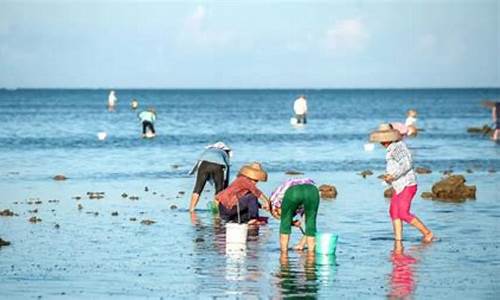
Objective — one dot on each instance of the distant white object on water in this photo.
(102, 135)
(293, 121)
(369, 147)
(112, 99)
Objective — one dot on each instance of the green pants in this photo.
(304, 194)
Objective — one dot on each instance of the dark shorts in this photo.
(249, 209)
(207, 170)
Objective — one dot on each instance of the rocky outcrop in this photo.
(451, 189)
(4, 243)
(147, 222)
(327, 191)
(59, 177)
(293, 172)
(422, 170)
(7, 213)
(366, 173)
(485, 130)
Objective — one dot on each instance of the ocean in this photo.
(46, 132)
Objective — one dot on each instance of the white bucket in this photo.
(102, 135)
(293, 121)
(236, 233)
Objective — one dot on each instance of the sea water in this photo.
(50, 132)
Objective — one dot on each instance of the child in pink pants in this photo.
(400, 175)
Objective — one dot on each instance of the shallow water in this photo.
(89, 256)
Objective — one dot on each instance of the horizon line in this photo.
(250, 88)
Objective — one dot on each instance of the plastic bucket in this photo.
(212, 206)
(236, 233)
(326, 243)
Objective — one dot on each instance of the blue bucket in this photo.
(326, 243)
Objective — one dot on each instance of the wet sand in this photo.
(104, 249)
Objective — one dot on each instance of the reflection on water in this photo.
(302, 275)
(403, 279)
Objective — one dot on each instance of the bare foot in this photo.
(298, 247)
(429, 238)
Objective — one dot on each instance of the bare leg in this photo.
(284, 239)
(398, 247)
(427, 234)
(301, 244)
(194, 201)
(398, 229)
(311, 243)
(496, 135)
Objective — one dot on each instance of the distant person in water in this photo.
(112, 100)
(495, 114)
(400, 174)
(411, 118)
(405, 131)
(239, 202)
(213, 164)
(300, 109)
(148, 118)
(293, 199)
(134, 104)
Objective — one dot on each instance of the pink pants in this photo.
(400, 204)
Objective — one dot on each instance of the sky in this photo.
(249, 44)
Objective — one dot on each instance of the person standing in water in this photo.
(134, 104)
(300, 109)
(112, 100)
(148, 118)
(296, 197)
(495, 114)
(212, 164)
(400, 174)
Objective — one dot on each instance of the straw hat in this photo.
(412, 113)
(254, 171)
(385, 133)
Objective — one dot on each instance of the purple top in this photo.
(279, 193)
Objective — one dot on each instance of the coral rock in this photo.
(327, 191)
(422, 170)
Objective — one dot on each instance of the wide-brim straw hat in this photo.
(385, 133)
(254, 171)
(412, 113)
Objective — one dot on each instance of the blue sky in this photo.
(250, 44)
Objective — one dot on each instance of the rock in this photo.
(80, 207)
(38, 202)
(182, 192)
(124, 195)
(77, 197)
(34, 220)
(422, 170)
(146, 189)
(485, 130)
(6, 213)
(114, 214)
(154, 193)
(427, 195)
(469, 171)
(452, 189)
(293, 172)
(4, 243)
(175, 166)
(33, 211)
(95, 195)
(133, 219)
(199, 240)
(59, 177)
(388, 193)
(366, 173)
(147, 222)
(173, 206)
(327, 191)
(133, 198)
(57, 226)
(447, 172)
(53, 201)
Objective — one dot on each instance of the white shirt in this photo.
(300, 106)
(400, 166)
(112, 98)
(411, 121)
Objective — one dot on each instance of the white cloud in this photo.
(197, 31)
(348, 34)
